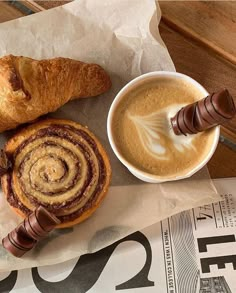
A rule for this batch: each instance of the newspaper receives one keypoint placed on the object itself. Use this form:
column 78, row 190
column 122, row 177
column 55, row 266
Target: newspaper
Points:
column 194, row 251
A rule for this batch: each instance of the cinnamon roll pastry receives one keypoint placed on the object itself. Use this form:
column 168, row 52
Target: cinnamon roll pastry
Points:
column 57, row 164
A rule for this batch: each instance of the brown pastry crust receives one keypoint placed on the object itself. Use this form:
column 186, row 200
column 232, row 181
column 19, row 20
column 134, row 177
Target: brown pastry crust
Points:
column 30, row 88
column 13, row 149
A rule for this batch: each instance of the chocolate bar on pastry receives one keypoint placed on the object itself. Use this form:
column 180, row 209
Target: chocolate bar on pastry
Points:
column 57, row 164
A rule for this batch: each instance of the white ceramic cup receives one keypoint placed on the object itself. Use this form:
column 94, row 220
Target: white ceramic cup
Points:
column 147, row 177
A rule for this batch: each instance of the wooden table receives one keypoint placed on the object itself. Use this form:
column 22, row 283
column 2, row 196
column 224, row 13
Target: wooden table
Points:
column 200, row 37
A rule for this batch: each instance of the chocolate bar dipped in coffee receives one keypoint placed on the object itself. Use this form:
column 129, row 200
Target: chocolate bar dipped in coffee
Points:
column 26, row 235
column 216, row 109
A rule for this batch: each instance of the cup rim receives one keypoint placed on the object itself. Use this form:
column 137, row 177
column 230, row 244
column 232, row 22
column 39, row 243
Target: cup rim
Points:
column 145, row 176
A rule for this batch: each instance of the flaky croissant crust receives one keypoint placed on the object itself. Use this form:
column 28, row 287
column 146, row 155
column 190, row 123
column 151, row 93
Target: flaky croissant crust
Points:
column 30, row 88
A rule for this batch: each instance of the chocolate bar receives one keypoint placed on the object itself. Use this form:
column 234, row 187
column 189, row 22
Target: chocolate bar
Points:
column 26, row 235
column 216, row 109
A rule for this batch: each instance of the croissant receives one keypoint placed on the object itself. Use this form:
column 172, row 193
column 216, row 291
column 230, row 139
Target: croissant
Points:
column 30, row 88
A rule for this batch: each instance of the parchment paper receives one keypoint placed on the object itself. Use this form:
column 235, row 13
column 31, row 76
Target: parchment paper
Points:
column 123, row 37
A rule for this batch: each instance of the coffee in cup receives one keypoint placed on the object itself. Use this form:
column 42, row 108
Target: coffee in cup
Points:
column 142, row 132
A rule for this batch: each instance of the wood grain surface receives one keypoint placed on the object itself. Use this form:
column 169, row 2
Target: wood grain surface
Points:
column 32, row 5
column 51, row 4
column 8, row 12
column 212, row 23
column 223, row 163
column 191, row 54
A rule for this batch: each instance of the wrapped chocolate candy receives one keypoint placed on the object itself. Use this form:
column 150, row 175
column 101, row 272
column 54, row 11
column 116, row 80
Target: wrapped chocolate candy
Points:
column 216, row 109
column 26, row 235
column 40, row 223
column 18, row 242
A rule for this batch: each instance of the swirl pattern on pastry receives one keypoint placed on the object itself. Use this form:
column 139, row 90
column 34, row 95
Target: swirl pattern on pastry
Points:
column 59, row 165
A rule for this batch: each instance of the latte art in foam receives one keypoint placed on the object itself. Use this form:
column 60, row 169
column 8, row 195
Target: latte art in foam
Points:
column 143, row 133
column 154, row 129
